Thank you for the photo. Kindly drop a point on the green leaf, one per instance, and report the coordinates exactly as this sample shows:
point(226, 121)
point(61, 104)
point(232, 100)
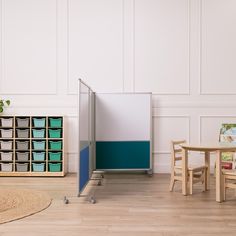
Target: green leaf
point(8, 102)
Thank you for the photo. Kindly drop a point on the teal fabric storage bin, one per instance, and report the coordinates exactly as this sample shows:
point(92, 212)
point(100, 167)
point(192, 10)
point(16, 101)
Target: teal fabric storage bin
point(54, 167)
point(55, 145)
point(54, 133)
point(39, 145)
point(38, 156)
point(38, 133)
point(38, 167)
point(55, 122)
point(39, 122)
point(54, 156)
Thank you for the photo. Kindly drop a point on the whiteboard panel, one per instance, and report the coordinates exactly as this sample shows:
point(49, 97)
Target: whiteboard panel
point(84, 107)
point(123, 117)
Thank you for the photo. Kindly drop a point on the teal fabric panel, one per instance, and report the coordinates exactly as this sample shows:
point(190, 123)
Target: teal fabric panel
point(123, 155)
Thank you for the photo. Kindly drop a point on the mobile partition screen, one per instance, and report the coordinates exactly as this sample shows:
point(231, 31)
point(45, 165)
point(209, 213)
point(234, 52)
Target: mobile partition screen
point(86, 135)
point(123, 131)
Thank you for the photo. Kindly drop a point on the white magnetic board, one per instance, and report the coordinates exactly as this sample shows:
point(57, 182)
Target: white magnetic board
point(123, 116)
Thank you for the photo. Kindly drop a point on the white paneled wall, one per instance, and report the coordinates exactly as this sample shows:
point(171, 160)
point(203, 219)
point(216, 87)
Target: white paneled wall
point(181, 50)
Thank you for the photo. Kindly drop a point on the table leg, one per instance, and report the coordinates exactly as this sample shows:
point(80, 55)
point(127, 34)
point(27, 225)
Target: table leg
point(219, 186)
point(184, 171)
point(207, 163)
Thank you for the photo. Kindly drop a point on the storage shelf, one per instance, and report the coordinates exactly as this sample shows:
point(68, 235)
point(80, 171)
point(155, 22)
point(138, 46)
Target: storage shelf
point(29, 124)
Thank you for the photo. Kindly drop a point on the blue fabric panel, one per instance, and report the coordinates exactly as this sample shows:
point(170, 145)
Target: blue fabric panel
point(84, 168)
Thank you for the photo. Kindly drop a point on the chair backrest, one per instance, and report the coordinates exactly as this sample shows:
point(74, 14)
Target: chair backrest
point(176, 151)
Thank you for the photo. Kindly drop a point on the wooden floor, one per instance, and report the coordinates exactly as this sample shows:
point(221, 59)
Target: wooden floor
point(127, 204)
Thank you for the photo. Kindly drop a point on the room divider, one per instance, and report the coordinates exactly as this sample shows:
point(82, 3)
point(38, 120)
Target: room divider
point(115, 133)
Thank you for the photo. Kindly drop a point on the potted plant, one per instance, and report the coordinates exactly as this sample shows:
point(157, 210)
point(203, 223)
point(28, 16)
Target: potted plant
point(3, 104)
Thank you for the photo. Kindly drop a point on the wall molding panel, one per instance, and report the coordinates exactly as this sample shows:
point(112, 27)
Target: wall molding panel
point(152, 52)
point(36, 45)
point(217, 47)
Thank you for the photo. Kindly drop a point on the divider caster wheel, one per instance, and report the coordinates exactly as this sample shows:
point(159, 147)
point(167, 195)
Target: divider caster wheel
point(92, 200)
point(65, 200)
point(99, 183)
point(150, 173)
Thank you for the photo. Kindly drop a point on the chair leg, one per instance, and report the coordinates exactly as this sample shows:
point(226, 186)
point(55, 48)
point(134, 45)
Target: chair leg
point(205, 179)
point(190, 182)
point(224, 188)
point(172, 183)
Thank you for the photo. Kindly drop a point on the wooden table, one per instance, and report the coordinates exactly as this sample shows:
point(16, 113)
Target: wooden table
point(207, 149)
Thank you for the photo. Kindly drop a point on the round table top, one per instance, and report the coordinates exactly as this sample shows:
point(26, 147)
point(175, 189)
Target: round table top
point(210, 147)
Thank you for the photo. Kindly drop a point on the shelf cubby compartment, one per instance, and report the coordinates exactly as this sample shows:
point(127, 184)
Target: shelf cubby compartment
point(39, 122)
point(55, 122)
point(54, 133)
point(22, 133)
point(38, 133)
point(6, 122)
point(54, 156)
point(22, 156)
point(6, 144)
point(38, 156)
point(6, 133)
point(22, 122)
point(55, 145)
point(6, 167)
point(55, 167)
point(22, 145)
point(6, 156)
point(22, 167)
point(39, 144)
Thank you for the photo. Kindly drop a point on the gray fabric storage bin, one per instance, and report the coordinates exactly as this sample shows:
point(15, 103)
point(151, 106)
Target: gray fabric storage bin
point(22, 122)
point(6, 156)
point(22, 156)
point(22, 133)
point(22, 145)
point(6, 167)
point(6, 133)
point(22, 167)
point(7, 122)
point(6, 145)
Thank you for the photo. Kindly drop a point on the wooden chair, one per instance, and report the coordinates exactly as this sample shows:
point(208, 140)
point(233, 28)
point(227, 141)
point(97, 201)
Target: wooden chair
point(195, 174)
point(229, 178)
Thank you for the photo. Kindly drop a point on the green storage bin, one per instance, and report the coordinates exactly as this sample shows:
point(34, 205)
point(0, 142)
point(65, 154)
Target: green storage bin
point(39, 122)
point(55, 133)
point(55, 156)
point(55, 122)
point(55, 145)
point(54, 167)
point(38, 167)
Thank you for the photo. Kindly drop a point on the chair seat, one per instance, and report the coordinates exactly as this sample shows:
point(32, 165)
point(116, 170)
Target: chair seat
point(193, 168)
